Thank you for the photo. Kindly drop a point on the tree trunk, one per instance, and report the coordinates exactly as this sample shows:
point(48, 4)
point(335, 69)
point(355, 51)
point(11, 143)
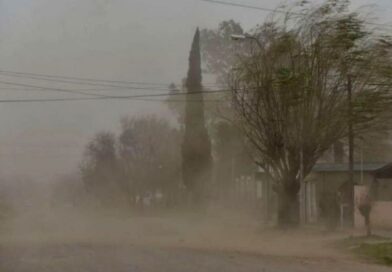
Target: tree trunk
point(367, 224)
point(368, 228)
point(365, 209)
point(288, 208)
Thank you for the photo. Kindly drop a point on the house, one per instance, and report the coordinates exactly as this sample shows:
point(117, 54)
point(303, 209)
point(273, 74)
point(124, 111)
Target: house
point(381, 214)
point(330, 181)
point(323, 189)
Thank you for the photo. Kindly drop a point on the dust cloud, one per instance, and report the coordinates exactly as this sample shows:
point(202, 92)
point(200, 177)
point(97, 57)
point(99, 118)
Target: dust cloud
point(37, 214)
point(174, 185)
point(57, 226)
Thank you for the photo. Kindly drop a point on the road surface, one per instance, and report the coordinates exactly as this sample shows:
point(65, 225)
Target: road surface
point(64, 241)
point(132, 258)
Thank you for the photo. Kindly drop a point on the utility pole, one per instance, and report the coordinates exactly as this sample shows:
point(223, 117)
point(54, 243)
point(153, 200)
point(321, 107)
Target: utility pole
point(303, 186)
point(301, 175)
point(350, 187)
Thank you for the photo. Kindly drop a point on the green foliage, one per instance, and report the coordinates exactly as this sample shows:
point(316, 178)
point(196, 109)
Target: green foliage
point(377, 252)
point(373, 248)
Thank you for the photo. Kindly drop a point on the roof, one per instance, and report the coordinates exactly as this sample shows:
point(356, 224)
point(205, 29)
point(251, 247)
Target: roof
point(384, 172)
point(378, 170)
point(342, 167)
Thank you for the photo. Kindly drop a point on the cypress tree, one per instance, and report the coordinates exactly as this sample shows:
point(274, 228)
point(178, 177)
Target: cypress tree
point(196, 146)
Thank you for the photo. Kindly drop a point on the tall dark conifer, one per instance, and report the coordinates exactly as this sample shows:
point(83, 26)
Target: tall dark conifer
point(196, 148)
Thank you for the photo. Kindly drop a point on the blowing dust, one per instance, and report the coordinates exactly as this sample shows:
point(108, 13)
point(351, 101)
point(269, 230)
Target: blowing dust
point(217, 229)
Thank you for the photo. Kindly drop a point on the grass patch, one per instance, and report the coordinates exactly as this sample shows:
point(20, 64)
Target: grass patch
point(375, 248)
point(379, 252)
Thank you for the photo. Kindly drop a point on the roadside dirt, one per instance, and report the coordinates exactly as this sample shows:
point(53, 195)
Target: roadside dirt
point(66, 241)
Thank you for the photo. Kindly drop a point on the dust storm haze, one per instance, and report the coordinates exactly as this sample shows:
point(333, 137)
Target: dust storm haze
point(116, 40)
point(92, 179)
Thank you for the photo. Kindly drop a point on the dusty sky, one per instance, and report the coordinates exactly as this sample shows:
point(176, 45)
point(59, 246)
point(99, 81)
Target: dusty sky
point(133, 40)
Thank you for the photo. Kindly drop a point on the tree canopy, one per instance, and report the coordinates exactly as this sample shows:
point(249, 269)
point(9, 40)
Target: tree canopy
point(290, 93)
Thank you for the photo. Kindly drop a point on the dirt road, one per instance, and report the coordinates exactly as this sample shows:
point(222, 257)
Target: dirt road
point(128, 258)
point(42, 242)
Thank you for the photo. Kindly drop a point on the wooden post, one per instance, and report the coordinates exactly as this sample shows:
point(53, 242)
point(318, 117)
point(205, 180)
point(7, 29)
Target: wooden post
point(350, 186)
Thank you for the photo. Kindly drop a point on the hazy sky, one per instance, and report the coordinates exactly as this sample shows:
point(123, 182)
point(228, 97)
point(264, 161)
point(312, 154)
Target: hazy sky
point(134, 40)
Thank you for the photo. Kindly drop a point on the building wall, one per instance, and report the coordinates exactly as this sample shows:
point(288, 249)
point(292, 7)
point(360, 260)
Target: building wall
point(318, 193)
point(384, 190)
point(308, 202)
point(380, 216)
point(328, 184)
point(326, 200)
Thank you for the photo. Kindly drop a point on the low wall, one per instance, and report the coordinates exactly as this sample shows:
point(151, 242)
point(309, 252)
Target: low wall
point(380, 216)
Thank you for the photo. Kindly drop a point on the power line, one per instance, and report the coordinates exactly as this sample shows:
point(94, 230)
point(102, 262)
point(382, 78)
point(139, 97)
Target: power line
point(233, 4)
point(85, 79)
point(71, 99)
point(90, 81)
point(35, 89)
point(250, 7)
point(141, 97)
point(48, 88)
point(77, 80)
point(164, 94)
point(43, 100)
point(31, 89)
point(87, 83)
point(104, 96)
point(39, 88)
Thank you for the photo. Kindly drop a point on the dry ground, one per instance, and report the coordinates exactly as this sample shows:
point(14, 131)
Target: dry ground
point(68, 241)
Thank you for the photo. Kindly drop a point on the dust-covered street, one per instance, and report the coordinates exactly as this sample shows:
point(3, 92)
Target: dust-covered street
point(195, 136)
point(129, 258)
point(65, 241)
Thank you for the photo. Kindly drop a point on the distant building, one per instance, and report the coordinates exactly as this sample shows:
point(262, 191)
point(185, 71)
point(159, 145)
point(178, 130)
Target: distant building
point(322, 193)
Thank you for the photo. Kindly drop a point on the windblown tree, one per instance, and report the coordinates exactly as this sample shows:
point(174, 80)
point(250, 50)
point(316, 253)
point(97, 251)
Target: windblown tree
point(374, 147)
point(196, 146)
point(150, 158)
point(290, 95)
point(99, 167)
point(232, 159)
point(218, 49)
